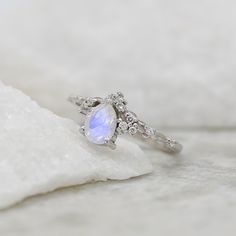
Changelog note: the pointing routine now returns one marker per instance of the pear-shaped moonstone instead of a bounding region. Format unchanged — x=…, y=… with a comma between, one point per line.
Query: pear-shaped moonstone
x=101, y=124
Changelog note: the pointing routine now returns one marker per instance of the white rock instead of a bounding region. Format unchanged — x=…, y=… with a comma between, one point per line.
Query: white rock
x=193, y=194
x=41, y=152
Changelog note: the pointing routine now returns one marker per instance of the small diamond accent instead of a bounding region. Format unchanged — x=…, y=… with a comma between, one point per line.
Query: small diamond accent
x=132, y=130
x=120, y=107
x=119, y=130
x=149, y=131
x=118, y=101
x=123, y=126
x=130, y=124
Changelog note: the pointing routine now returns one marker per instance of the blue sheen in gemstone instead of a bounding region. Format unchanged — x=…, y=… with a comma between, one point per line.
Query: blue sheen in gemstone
x=101, y=124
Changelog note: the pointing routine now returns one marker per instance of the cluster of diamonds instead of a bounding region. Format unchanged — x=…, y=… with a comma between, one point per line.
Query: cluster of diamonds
x=128, y=121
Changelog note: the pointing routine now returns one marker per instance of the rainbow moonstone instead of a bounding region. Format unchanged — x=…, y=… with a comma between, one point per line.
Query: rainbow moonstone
x=101, y=124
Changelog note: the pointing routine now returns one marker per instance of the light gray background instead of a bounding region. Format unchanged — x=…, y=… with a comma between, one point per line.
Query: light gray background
x=175, y=61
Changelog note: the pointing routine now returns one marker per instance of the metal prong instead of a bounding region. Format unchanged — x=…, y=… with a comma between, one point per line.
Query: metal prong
x=82, y=130
x=111, y=144
x=119, y=120
x=76, y=100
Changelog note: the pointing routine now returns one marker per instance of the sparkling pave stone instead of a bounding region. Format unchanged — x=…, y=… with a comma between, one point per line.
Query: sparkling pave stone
x=149, y=131
x=101, y=124
x=123, y=126
x=132, y=130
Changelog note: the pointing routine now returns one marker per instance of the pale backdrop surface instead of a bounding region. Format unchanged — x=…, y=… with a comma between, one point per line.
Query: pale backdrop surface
x=175, y=60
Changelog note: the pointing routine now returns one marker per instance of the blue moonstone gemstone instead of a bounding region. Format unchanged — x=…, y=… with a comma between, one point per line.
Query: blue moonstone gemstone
x=101, y=124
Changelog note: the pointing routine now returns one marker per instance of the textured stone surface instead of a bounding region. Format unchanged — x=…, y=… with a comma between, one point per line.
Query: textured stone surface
x=41, y=152
x=176, y=56
x=193, y=194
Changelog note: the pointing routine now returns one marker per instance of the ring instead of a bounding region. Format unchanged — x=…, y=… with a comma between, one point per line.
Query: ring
x=106, y=119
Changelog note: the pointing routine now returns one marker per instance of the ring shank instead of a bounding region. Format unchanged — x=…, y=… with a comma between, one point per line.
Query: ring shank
x=161, y=142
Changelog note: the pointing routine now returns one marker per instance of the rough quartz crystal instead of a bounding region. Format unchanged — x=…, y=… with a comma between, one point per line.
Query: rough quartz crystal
x=41, y=152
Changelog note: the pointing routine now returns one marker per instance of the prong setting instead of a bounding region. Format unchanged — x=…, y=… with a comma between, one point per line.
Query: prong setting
x=82, y=130
x=110, y=144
